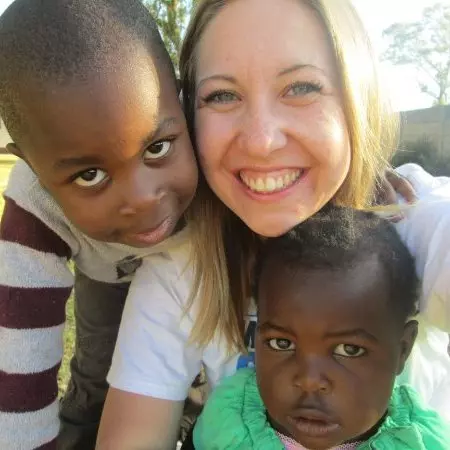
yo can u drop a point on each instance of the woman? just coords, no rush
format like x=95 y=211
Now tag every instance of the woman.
x=284 y=104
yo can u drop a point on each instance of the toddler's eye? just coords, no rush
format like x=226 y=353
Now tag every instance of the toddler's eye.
x=349 y=350
x=281 y=345
x=90 y=178
x=158 y=150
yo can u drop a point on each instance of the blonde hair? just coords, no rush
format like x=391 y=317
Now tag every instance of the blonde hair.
x=223 y=247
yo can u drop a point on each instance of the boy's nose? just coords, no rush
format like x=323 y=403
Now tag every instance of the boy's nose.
x=140 y=194
x=310 y=375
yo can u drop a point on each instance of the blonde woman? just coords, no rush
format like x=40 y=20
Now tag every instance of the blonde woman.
x=284 y=104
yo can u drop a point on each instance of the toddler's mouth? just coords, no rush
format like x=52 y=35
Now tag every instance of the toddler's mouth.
x=314 y=423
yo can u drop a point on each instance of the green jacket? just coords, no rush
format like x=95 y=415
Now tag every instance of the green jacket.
x=234 y=418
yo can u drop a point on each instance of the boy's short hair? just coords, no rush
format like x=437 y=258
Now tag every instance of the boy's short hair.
x=56 y=41
x=338 y=239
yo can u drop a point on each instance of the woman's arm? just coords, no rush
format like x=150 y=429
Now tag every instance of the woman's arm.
x=137 y=422
x=153 y=364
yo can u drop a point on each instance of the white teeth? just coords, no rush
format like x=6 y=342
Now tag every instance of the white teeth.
x=270 y=184
x=260 y=186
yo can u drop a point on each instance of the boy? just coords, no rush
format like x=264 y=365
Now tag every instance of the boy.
x=88 y=94
x=336 y=297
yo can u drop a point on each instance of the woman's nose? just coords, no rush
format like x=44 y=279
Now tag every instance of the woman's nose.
x=261 y=132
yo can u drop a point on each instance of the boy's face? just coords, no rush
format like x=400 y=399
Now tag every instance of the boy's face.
x=328 y=349
x=113 y=150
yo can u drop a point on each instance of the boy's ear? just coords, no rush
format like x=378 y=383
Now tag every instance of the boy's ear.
x=407 y=342
x=15 y=150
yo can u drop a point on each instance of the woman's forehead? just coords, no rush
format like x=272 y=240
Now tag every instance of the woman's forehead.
x=264 y=36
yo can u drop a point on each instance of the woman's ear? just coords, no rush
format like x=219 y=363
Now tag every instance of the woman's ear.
x=407 y=342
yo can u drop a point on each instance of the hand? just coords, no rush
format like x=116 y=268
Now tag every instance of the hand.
x=391 y=185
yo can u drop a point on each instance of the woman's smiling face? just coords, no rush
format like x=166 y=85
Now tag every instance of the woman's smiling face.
x=270 y=127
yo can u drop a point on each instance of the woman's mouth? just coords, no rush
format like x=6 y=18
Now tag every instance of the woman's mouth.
x=270 y=182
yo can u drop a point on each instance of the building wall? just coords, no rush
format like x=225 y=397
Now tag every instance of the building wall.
x=433 y=123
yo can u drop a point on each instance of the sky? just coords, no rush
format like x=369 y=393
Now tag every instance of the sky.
x=378 y=15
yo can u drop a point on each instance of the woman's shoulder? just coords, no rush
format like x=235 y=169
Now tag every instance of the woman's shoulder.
x=426 y=222
x=170 y=259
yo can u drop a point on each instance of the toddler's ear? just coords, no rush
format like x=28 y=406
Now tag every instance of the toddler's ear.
x=407 y=342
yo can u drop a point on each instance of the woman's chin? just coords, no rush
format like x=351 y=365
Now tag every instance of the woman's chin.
x=270 y=228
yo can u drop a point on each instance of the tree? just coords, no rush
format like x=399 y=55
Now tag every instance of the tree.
x=172 y=17
x=425 y=44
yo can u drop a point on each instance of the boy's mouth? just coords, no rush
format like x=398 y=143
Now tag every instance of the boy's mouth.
x=152 y=236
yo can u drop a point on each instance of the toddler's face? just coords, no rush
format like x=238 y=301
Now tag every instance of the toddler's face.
x=327 y=351
x=114 y=151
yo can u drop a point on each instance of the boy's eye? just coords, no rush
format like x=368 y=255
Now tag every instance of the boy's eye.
x=349 y=350
x=90 y=178
x=221 y=97
x=281 y=345
x=298 y=89
x=158 y=150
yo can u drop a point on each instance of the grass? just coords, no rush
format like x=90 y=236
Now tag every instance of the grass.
x=6 y=163
x=69 y=345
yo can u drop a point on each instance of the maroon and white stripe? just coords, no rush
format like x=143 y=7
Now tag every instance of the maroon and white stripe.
x=35 y=283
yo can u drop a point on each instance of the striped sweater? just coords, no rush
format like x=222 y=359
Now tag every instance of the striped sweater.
x=36 y=243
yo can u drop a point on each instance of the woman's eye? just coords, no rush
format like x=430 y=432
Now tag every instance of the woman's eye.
x=281 y=345
x=349 y=350
x=158 y=150
x=221 y=97
x=299 y=89
x=90 y=178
